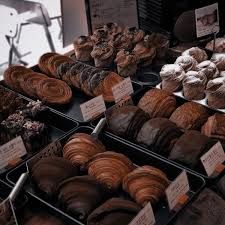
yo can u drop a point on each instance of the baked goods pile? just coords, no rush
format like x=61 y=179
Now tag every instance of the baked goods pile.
x=126 y=47
x=91 y=183
x=90 y=80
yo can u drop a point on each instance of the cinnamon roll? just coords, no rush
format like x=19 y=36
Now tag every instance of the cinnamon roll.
x=209 y=69
x=187 y=63
x=197 y=53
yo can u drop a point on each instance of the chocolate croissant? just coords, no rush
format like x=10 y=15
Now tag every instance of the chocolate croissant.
x=80 y=195
x=146 y=184
x=109 y=168
x=113 y=211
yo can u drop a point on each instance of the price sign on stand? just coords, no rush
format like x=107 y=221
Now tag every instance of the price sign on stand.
x=144 y=217
x=93 y=108
x=213 y=159
x=123 y=90
x=177 y=191
x=11 y=151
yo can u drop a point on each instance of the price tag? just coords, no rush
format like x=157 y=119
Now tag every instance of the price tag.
x=123 y=89
x=213 y=158
x=11 y=151
x=177 y=190
x=93 y=108
x=144 y=217
x=207 y=20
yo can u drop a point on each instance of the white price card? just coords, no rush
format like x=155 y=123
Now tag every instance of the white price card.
x=213 y=158
x=12 y=150
x=207 y=20
x=144 y=217
x=177 y=190
x=93 y=108
x=123 y=89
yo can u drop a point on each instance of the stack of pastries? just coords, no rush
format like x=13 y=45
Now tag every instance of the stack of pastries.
x=126 y=47
x=197 y=76
x=90 y=80
x=93 y=184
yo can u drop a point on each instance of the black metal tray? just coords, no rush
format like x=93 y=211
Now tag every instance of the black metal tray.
x=140 y=158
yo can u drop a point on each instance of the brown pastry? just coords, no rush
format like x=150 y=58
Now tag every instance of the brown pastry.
x=83 y=47
x=215 y=92
x=126 y=63
x=172 y=76
x=146 y=184
x=187 y=63
x=134 y=34
x=194 y=84
x=209 y=69
x=109 y=168
x=115 y=209
x=158 y=103
x=219 y=60
x=219 y=45
x=197 y=53
x=48 y=172
x=100 y=35
x=190 y=116
x=112 y=29
x=103 y=54
x=81 y=147
x=54 y=91
x=80 y=195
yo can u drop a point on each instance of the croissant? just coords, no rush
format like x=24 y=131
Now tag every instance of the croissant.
x=146 y=184
x=47 y=173
x=109 y=168
x=80 y=195
x=113 y=211
x=81 y=147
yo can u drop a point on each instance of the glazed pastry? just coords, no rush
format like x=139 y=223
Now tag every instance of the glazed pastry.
x=126 y=63
x=159 y=134
x=81 y=147
x=80 y=195
x=172 y=76
x=197 y=53
x=190 y=147
x=53 y=91
x=146 y=184
x=190 y=116
x=83 y=47
x=134 y=34
x=115 y=209
x=194 y=84
x=219 y=60
x=49 y=172
x=109 y=168
x=209 y=69
x=100 y=35
x=187 y=63
x=157 y=103
x=219 y=45
x=103 y=54
x=215 y=92
x=145 y=52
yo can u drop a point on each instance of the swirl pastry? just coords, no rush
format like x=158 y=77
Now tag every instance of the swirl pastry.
x=48 y=172
x=115 y=209
x=157 y=103
x=190 y=116
x=172 y=76
x=145 y=52
x=187 y=63
x=109 y=168
x=160 y=134
x=126 y=63
x=103 y=54
x=209 y=69
x=219 y=60
x=219 y=45
x=146 y=184
x=83 y=47
x=215 y=92
x=81 y=147
x=194 y=84
x=43 y=219
x=80 y=195
x=62 y=70
x=197 y=53
x=100 y=35
x=54 y=91
x=134 y=34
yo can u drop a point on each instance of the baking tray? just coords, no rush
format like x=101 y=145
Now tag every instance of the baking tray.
x=179 y=101
x=139 y=157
